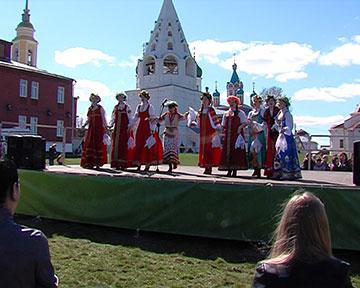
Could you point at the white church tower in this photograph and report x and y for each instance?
(168, 71)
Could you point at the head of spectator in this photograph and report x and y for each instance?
(303, 232)
(301, 250)
(343, 157)
(9, 186)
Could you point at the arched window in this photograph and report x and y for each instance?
(170, 65)
(190, 67)
(153, 46)
(30, 58)
(149, 66)
(170, 46)
(170, 33)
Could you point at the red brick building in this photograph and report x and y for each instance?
(33, 97)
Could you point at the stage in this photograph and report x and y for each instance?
(186, 201)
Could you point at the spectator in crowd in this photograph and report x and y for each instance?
(53, 154)
(305, 163)
(345, 163)
(301, 254)
(321, 164)
(24, 252)
(335, 162)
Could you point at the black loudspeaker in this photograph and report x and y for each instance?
(28, 152)
(356, 163)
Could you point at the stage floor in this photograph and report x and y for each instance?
(195, 174)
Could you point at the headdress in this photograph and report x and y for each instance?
(233, 98)
(269, 97)
(206, 94)
(285, 100)
(144, 93)
(171, 104)
(121, 94)
(94, 97)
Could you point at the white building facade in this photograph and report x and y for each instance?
(168, 71)
(343, 136)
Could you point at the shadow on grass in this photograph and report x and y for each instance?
(197, 247)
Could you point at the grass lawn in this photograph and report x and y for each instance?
(91, 256)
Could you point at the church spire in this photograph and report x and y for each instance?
(24, 48)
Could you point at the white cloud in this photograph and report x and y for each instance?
(328, 94)
(73, 57)
(290, 75)
(83, 89)
(130, 63)
(311, 121)
(280, 61)
(344, 55)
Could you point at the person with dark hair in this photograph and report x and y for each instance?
(233, 156)
(53, 154)
(120, 119)
(344, 162)
(24, 252)
(270, 114)
(334, 166)
(305, 163)
(210, 144)
(301, 255)
(171, 143)
(94, 152)
(148, 149)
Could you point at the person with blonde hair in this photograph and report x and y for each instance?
(301, 254)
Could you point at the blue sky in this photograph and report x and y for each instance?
(311, 49)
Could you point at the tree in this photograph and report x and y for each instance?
(275, 91)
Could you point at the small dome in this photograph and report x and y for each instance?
(25, 24)
(239, 91)
(216, 93)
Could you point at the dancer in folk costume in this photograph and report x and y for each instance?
(171, 119)
(257, 142)
(270, 114)
(233, 156)
(94, 149)
(148, 148)
(120, 120)
(286, 163)
(210, 146)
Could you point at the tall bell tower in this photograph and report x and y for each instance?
(24, 48)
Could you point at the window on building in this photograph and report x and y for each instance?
(60, 95)
(33, 124)
(22, 121)
(170, 46)
(341, 143)
(34, 90)
(23, 88)
(30, 58)
(16, 54)
(60, 128)
(170, 65)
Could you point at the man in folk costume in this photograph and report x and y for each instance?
(210, 146)
(171, 119)
(270, 115)
(233, 156)
(148, 148)
(94, 151)
(120, 121)
(257, 143)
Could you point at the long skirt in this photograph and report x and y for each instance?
(286, 163)
(171, 149)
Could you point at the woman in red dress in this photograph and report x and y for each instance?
(148, 148)
(270, 114)
(233, 156)
(94, 150)
(120, 136)
(210, 146)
